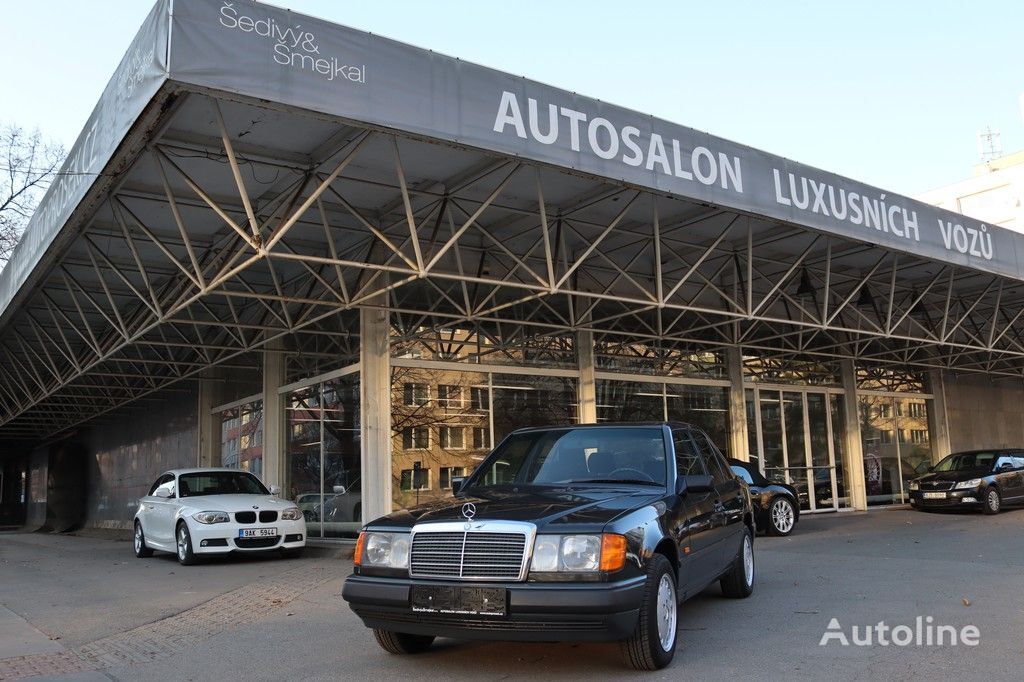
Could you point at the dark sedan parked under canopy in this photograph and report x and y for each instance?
(989, 479)
(776, 505)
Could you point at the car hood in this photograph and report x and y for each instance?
(953, 476)
(235, 503)
(554, 508)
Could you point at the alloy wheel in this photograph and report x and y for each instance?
(993, 500)
(748, 561)
(138, 538)
(782, 516)
(667, 613)
(182, 543)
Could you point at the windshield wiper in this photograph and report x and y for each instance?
(631, 481)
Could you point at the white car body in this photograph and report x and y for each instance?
(161, 514)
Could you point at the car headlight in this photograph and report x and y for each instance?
(291, 514)
(211, 517)
(963, 485)
(382, 550)
(578, 553)
(914, 485)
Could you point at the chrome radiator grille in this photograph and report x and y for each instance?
(476, 554)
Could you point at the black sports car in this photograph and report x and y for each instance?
(776, 505)
(989, 479)
(563, 533)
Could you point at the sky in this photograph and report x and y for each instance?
(889, 93)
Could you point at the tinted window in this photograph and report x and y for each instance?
(967, 461)
(716, 467)
(742, 473)
(559, 456)
(220, 483)
(688, 459)
(1004, 460)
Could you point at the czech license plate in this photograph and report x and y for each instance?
(463, 600)
(935, 496)
(257, 532)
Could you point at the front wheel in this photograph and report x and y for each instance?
(738, 583)
(993, 501)
(141, 550)
(401, 643)
(184, 546)
(653, 643)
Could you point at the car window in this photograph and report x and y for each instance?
(1018, 462)
(1004, 460)
(164, 478)
(742, 473)
(688, 459)
(220, 483)
(167, 485)
(715, 465)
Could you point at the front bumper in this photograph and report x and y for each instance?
(222, 538)
(535, 612)
(954, 499)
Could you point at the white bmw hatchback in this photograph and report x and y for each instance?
(193, 512)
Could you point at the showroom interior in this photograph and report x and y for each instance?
(357, 308)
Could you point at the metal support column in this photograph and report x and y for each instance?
(275, 463)
(738, 438)
(853, 455)
(938, 425)
(375, 412)
(587, 398)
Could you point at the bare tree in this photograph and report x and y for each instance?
(27, 166)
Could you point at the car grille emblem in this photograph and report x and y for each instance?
(255, 507)
(469, 511)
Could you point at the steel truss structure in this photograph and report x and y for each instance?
(238, 223)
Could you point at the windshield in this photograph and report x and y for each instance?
(220, 483)
(967, 461)
(563, 456)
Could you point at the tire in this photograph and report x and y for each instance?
(781, 516)
(401, 643)
(993, 501)
(141, 550)
(292, 553)
(738, 583)
(653, 645)
(183, 544)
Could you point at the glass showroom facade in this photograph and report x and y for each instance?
(457, 391)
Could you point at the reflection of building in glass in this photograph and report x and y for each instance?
(242, 437)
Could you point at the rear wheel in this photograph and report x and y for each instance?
(781, 517)
(141, 550)
(402, 643)
(993, 501)
(184, 546)
(653, 644)
(738, 583)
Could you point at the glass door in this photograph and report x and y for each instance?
(797, 444)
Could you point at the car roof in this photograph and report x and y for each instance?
(605, 425)
(203, 470)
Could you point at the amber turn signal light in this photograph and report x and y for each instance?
(613, 551)
(357, 558)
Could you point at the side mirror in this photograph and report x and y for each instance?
(694, 484)
(162, 492)
(1005, 466)
(275, 490)
(339, 490)
(457, 483)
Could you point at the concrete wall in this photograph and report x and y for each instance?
(983, 413)
(127, 450)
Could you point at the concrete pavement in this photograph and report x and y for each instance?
(286, 618)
